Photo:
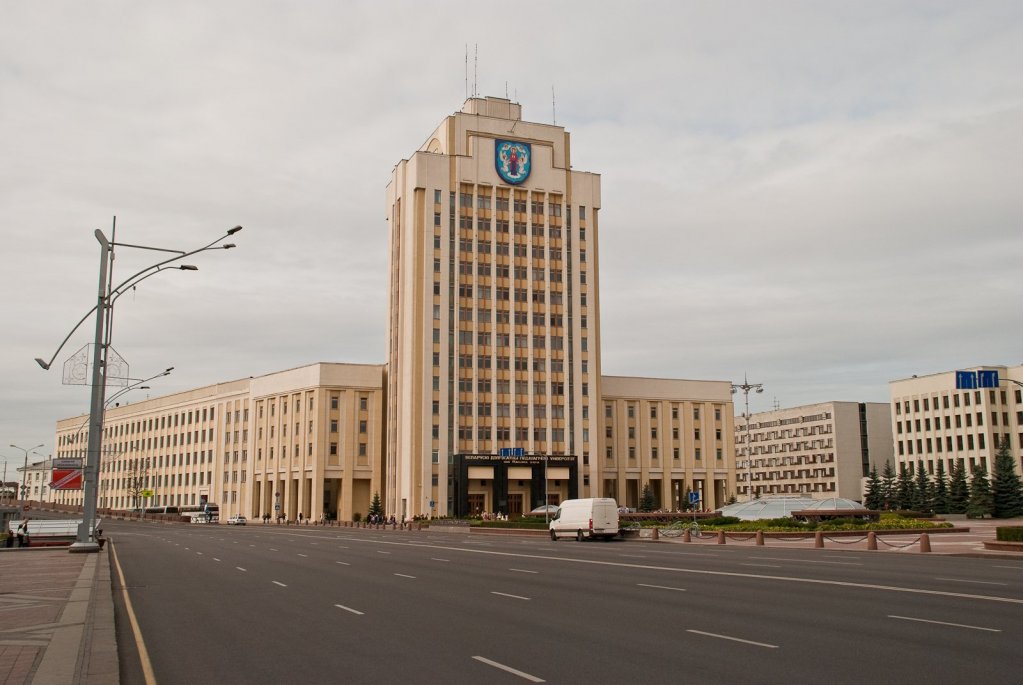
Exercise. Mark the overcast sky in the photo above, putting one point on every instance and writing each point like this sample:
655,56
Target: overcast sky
823,195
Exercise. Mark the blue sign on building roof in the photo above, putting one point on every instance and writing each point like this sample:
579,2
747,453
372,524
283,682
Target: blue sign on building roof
987,379
966,380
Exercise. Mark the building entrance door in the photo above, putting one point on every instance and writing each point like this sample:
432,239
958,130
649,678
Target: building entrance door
515,505
477,503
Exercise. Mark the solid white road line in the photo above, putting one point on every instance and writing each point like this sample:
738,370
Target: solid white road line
662,587
762,565
303,555
944,623
734,639
978,582
274,550
509,669
281,584
505,594
215,559
380,551
405,576
239,568
522,570
357,613
343,563
436,559
1015,568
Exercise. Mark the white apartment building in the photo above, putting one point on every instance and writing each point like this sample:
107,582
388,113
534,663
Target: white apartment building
821,450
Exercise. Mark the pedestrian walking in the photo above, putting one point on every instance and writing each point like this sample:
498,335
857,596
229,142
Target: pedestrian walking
23,533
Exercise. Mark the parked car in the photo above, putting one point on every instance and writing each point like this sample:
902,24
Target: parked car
550,509
236,521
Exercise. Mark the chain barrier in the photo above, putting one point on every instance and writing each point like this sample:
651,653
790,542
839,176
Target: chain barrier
908,544
845,542
795,539
739,537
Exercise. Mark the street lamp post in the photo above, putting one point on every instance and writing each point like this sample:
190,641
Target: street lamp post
746,387
105,298
24,475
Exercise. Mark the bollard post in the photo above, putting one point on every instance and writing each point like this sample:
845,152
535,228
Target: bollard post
721,537
760,538
818,539
925,542
654,533
872,541
687,536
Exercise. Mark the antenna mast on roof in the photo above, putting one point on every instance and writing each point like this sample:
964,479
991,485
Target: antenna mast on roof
466,71
475,70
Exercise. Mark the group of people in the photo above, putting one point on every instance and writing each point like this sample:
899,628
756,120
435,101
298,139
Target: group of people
21,534
380,518
281,518
487,516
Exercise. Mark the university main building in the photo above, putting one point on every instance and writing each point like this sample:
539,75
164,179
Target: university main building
492,398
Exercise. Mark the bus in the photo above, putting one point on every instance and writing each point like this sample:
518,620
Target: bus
204,513
163,510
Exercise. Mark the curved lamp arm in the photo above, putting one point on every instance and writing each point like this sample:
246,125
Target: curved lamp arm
140,276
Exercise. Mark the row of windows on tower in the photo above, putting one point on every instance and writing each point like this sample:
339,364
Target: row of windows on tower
501,202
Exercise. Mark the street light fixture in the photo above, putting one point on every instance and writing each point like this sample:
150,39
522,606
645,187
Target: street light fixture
24,475
746,387
106,296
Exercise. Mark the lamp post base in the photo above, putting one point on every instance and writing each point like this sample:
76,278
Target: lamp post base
84,547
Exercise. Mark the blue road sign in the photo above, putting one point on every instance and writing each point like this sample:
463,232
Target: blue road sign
966,380
987,379
694,498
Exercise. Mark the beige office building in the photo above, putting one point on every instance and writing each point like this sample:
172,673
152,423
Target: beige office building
933,421
818,450
494,327
308,439
675,435
492,397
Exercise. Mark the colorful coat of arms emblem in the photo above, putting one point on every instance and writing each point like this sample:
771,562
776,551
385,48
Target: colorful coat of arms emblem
513,160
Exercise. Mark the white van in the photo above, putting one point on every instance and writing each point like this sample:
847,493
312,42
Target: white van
586,518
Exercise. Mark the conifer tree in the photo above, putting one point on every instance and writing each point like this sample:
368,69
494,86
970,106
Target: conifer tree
939,502
904,488
959,489
888,486
981,503
646,500
1006,491
921,488
375,508
872,498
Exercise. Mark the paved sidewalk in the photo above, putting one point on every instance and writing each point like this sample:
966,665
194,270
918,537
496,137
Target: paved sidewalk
56,618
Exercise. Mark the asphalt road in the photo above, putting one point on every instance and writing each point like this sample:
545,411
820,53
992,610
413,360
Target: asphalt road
265,604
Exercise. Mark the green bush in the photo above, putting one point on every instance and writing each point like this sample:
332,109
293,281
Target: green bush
356,517
1009,534
520,523
720,521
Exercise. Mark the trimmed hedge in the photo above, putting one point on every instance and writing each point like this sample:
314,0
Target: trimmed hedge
1009,533
520,523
